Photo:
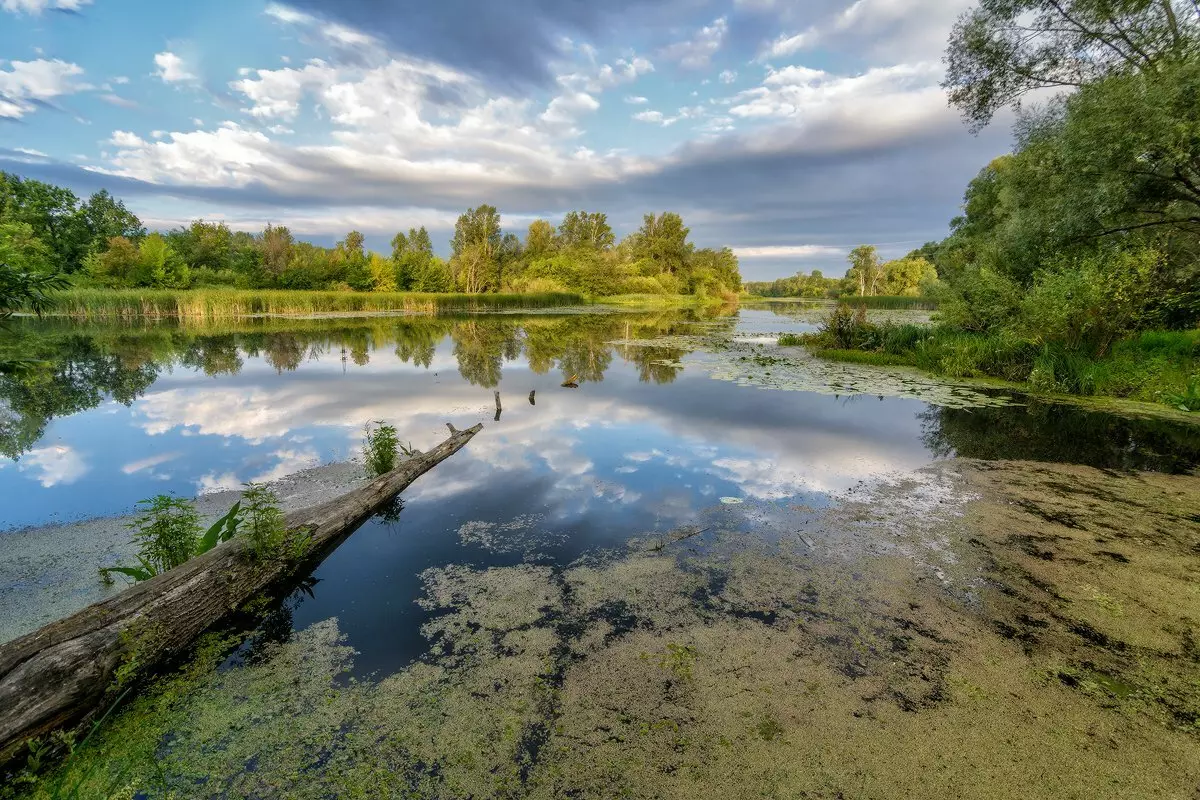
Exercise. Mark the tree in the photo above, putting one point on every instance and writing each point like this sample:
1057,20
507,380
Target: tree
1004,49
119,262
865,270
476,241
106,217
383,273
275,244
662,243
585,229
539,239
22,250
905,276
159,264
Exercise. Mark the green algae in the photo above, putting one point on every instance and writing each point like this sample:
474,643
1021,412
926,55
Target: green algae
715,350
912,641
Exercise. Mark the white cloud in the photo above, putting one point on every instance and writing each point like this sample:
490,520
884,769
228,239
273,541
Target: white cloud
873,106
172,68
896,29
696,52
118,101
120,80
149,463
728,76
657,117
565,110
27,83
58,464
637,100
788,251
38,6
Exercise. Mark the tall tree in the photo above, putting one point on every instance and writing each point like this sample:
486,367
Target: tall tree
585,229
1004,49
539,239
476,241
276,247
865,269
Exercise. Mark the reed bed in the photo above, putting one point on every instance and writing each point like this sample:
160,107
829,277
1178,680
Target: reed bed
224,304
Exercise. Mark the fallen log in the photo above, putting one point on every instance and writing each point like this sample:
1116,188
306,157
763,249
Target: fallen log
61,675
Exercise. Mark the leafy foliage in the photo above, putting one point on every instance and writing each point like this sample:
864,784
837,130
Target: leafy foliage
263,520
380,446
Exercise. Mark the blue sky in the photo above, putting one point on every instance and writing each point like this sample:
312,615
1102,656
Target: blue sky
789,131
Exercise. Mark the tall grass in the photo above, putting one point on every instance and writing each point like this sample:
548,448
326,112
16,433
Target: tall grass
223,304
891,302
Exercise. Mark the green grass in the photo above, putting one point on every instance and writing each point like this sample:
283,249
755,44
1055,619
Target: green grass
218,304
890,303
871,357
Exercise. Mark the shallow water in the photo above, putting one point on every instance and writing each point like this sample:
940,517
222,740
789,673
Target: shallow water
649,443
670,498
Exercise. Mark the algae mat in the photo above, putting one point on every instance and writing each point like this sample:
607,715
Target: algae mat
715,350
971,630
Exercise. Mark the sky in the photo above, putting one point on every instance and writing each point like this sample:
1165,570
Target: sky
790,131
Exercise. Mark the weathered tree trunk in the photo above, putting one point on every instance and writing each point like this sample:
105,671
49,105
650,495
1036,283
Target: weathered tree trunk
62,674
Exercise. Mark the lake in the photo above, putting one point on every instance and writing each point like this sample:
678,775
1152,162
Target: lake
628,527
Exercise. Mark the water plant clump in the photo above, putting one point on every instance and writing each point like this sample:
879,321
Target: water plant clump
381,444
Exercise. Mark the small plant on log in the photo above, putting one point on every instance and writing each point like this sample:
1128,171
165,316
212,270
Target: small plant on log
263,520
168,534
379,448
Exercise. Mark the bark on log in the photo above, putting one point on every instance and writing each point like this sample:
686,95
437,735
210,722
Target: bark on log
63,673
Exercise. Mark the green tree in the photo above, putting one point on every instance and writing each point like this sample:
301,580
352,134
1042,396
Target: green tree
1004,49
865,272
275,246
22,250
584,229
106,217
476,242
539,239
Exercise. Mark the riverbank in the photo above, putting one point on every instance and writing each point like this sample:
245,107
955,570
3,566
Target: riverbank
1161,367
788,658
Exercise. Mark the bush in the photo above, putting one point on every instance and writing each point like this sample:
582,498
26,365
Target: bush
981,300
1086,304
641,284
263,519
380,445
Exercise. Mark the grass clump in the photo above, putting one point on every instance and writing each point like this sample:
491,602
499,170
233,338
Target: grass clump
380,447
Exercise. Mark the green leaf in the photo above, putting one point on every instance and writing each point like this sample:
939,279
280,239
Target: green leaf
220,531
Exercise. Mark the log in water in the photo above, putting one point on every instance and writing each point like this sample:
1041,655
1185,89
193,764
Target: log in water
64,673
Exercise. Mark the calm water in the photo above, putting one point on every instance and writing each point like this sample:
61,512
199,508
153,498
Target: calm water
645,444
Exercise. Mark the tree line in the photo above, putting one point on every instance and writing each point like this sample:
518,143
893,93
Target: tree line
867,276
99,242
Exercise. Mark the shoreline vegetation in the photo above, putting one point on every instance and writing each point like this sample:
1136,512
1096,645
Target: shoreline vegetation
1158,366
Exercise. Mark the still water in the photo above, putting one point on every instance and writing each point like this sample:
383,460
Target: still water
646,444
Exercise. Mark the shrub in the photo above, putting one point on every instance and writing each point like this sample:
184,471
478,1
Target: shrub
981,300
263,519
379,448
168,534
